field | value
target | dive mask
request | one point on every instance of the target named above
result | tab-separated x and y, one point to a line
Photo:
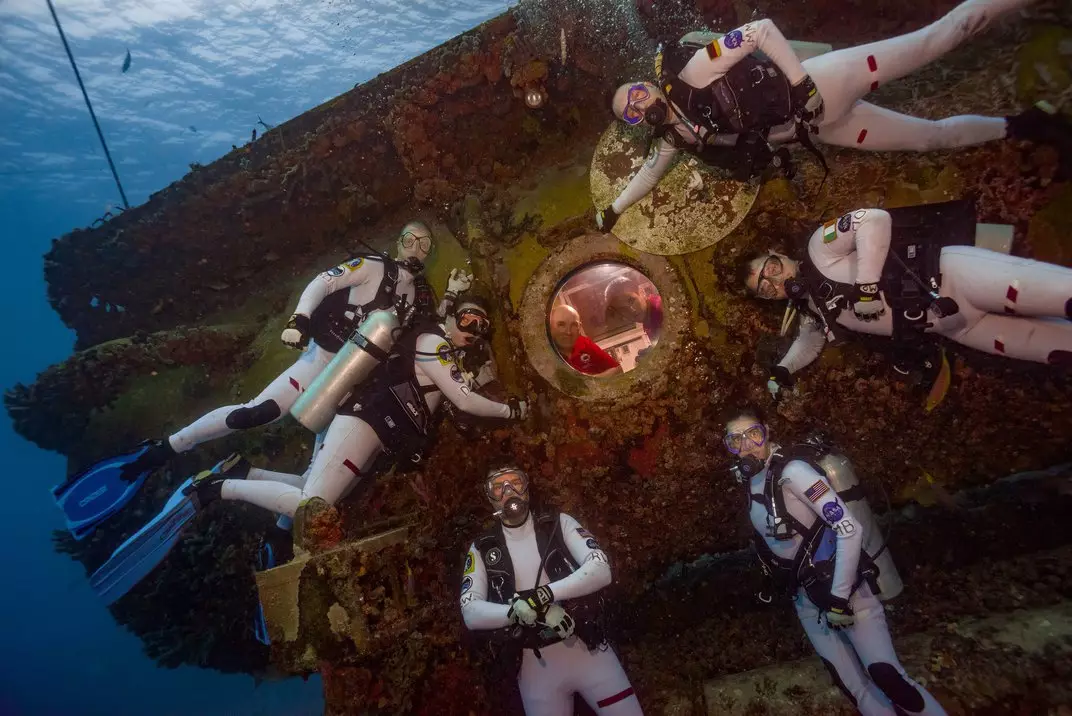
411	238
510	486
473	321
755	434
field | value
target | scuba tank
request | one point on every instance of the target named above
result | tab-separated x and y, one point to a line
842	477
367	348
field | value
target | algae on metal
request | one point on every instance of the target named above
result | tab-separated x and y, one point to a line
692	207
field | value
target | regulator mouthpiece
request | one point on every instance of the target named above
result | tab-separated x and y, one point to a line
514	511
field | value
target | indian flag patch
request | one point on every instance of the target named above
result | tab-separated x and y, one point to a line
829	231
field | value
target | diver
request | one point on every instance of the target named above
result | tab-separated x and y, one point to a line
330	308
810	545
857	266
733	110
578	350
389	412
551	632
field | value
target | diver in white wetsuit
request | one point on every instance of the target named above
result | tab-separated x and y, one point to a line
800	526
729	108
856	267
391	411
545	604
329	310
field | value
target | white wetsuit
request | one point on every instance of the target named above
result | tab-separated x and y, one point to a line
860	658
362	278
843	78
350	445
1008	305
548	683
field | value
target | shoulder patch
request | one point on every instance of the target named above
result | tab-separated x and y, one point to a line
354	264
470	563
816	491
456	373
733	40
467	584
844	223
442	352
832	511
714	50
335	272
829	231
584	533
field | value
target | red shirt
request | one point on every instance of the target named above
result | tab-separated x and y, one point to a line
589	358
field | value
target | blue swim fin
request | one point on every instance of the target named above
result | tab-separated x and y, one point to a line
98	492
134	559
265	560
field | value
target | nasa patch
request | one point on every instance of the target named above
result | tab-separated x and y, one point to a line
832	511
733	40
443	354
456	374
467	584
844	223
493	556
354	264
335	272
592	544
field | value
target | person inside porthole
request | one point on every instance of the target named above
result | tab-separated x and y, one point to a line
604	318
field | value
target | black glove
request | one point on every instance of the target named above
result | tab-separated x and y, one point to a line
839	615
806	101
538	599
867	303
779	378
606	219
519	409
296	333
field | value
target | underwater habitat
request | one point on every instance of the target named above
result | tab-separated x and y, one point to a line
612	357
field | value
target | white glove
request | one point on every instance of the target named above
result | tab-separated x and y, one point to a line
295	335
839	621
521	612
773	388
459	281
557	623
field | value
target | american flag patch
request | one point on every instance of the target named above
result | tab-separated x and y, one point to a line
816	491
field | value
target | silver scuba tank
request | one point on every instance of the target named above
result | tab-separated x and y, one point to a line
360	354
842	477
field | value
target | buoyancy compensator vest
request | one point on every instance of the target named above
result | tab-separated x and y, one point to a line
919	235
588	612
748	101
392	400
335	319
812	567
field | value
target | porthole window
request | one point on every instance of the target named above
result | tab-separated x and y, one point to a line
605	318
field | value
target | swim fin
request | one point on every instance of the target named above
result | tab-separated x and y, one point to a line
98	492
265	560
133	560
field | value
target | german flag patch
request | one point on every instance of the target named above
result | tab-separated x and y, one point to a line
714	51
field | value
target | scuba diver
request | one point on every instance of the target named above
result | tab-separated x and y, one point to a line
861	263
331	307
810	543
732	110
557	622
389	411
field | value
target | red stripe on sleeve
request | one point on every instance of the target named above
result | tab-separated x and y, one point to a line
871	63
863	135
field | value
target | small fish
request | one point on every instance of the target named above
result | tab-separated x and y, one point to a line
193	129
253	137
126	62
267	127
562	43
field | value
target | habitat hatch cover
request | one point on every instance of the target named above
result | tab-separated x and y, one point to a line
691	208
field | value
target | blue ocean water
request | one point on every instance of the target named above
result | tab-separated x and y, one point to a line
202	74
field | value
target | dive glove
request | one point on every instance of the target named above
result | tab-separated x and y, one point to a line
459	281
556	623
806	101
779	378
867	303
296	334
839	615
519	409
530	605
606	219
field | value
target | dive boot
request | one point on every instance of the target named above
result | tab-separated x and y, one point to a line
1043	124
208	483
152	455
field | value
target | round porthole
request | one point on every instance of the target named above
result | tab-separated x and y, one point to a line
600	321
605	319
